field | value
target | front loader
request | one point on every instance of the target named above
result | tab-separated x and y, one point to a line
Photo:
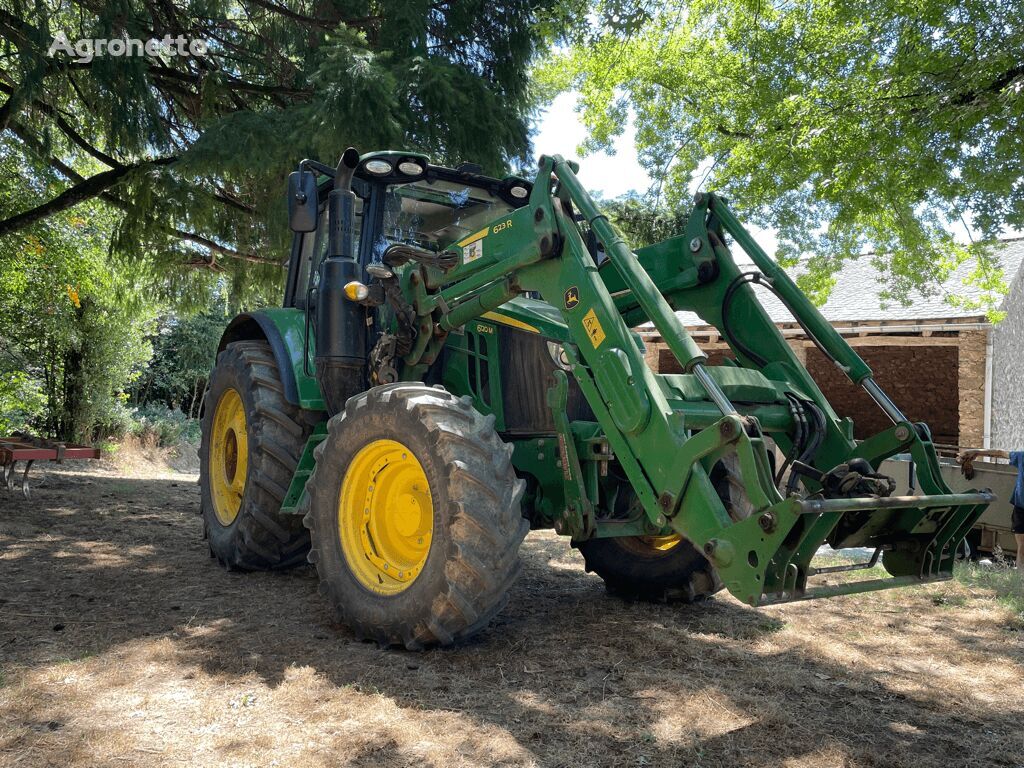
455	364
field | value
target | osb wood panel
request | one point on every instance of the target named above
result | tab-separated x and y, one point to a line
923	380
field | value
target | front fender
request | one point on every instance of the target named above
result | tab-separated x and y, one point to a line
285	330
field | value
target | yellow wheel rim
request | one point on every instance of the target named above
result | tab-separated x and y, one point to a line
229	456
385	517
663	543
646	545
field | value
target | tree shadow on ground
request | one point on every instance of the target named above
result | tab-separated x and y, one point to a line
92	565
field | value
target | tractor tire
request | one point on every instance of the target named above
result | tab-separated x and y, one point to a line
413	480
252	440
651	569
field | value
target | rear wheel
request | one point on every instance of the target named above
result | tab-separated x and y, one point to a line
252	440
651	568
414	510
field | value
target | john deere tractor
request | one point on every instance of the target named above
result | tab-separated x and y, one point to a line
454	364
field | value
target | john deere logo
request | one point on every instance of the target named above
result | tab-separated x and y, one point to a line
572	297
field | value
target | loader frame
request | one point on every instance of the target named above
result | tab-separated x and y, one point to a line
668	433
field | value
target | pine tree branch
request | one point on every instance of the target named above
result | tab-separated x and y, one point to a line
215	247
65	128
37	146
71	174
168	73
199	259
79	193
18	31
15	99
223	196
293	15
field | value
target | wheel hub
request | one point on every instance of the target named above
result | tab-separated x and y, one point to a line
385	517
229	456
652	545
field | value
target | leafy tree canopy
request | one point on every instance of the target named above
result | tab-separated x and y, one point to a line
73	327
184	353
193	149
643	223
846	126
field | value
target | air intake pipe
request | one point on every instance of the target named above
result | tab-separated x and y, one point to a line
340	324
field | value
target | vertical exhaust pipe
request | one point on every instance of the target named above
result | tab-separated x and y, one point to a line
340	324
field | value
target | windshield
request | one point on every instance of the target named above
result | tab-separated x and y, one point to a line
435	214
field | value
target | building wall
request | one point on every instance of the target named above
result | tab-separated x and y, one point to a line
938	381
921	380
972	388
1008	372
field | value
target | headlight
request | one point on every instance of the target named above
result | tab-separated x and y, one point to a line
378	167
520	193
410	168
356	291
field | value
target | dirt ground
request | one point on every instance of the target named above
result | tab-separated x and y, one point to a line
122	643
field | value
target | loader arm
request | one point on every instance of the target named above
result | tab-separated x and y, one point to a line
669	433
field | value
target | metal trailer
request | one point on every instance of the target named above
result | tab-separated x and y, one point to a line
992	529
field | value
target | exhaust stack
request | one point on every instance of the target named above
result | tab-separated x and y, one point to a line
340	324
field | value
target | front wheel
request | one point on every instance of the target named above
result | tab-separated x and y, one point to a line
414	511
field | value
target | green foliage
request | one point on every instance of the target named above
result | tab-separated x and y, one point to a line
72	327
642	222
194	150
846	126
22	400
166	426
184	351
149	183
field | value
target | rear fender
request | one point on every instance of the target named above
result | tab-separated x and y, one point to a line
284	329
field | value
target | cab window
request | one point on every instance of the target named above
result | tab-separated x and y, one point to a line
434	214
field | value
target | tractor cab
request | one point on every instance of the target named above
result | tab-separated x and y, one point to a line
399	198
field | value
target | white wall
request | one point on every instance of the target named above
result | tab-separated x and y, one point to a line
1008	372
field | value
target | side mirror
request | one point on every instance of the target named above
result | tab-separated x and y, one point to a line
302	201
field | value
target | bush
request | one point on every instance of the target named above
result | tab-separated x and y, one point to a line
166	426
22	401
116	421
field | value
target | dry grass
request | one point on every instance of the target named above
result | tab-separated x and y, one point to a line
122	644
143	455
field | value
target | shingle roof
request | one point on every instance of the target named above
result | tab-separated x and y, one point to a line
856	295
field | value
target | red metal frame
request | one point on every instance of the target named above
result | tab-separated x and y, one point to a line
32	449
21	449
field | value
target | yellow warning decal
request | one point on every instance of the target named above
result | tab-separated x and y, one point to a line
473	238
593	328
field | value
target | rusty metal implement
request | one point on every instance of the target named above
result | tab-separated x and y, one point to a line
30	449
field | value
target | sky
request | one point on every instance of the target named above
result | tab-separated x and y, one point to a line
560	132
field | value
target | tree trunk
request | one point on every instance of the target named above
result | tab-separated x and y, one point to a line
72	425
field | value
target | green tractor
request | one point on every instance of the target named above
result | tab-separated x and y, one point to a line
454	364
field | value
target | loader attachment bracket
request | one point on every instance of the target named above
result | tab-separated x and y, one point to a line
764	564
